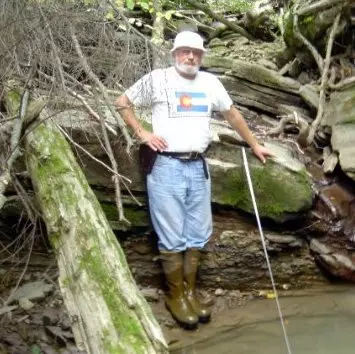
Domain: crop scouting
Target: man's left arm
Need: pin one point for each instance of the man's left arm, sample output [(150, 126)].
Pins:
[(236, 120)]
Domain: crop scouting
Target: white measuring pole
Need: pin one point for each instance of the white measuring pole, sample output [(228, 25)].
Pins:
[(250, 184)]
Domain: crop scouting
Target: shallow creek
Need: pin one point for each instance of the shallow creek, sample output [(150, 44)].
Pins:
[(319, 322)]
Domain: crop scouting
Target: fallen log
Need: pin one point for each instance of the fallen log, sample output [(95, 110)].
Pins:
[(107, 310)]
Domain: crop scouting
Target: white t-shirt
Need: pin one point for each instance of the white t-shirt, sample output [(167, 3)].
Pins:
[(181, 108)]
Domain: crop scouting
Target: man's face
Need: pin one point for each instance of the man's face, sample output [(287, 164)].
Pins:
[(188, 60)]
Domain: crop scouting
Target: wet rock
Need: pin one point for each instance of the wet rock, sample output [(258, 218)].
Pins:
[(25, 303), (7, 309), (330, 162), (319, 247), (50, 317), (142, 249), (34, 291), (339, 265), (219, 292), (285, 240), (336, 262), (60, 337), (310, 95), (150, 294), (304, 78)]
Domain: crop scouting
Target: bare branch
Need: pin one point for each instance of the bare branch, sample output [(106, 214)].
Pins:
[(317, 57), (319, 6), (99, 84), (319, 116), (84, 102), (54, 47), (32, 238), (5, 176), (349, 81), (90, 155), (221, 18)]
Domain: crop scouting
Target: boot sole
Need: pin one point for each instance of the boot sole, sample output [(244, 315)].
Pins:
[(204, 319), (184, 325)]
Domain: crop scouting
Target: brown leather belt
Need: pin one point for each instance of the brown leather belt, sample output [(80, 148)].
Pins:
[(188, 156)]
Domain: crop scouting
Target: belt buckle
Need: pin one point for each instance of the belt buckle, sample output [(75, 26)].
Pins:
[(194, 155)]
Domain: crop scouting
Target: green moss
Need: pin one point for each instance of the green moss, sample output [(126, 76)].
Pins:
[(124, 322), (271, 187), (54, 239), (49, 154), (138, 217)]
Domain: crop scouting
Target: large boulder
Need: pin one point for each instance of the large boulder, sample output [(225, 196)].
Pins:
[(282, 186)]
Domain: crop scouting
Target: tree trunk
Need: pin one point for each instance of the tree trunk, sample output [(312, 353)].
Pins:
[(107, 310)]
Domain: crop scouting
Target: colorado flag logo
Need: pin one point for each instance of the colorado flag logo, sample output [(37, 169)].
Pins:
[(191, 102)]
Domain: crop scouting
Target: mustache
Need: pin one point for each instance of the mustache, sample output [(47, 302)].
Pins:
[(188, 68)]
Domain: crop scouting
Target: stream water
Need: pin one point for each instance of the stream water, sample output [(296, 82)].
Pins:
[(320, 323)]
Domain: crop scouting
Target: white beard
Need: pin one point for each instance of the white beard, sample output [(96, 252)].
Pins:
[(187, 69)]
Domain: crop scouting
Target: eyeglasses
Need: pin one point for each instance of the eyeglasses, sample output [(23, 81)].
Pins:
[(188, 51)]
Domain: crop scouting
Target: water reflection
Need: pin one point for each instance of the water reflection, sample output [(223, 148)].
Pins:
[(322, 324)]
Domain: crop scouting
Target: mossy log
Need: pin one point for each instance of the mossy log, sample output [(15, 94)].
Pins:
[(107, 310)]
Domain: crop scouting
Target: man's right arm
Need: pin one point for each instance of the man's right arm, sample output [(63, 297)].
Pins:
[(125, 107)]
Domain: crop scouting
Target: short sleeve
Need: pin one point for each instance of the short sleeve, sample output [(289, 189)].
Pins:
[(221, 99), (141, 92)]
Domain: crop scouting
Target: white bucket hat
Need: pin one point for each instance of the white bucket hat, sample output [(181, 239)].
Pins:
[(188, 39)]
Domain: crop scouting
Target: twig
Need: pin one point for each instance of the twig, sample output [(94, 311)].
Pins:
[(121, 14), (5, 179), (90, 155), (220, 18), (342, 84), (29, 207), (301, 122), (80, 84), (317, 57), (97, 81), (318, 6), (54, 47), (319, 116), (5, 176), (32, 236), (286, 67), (12, 244), (84, 102), (114, 170)]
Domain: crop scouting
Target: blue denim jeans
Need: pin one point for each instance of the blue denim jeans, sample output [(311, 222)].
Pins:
[(180, 203)]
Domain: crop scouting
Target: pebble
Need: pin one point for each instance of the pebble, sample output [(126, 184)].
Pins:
[(219, 292), (25, 303)]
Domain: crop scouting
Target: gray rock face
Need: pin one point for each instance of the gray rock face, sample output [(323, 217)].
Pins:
[(343, 142), (275, 182), (340, 116), (256, 86)]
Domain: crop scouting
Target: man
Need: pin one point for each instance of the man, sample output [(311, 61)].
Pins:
[(182, 100)]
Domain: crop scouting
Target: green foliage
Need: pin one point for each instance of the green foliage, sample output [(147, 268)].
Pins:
[(35, 349), (231, 5)]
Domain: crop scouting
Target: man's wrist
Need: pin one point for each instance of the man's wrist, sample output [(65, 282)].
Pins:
[(138, 131)]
